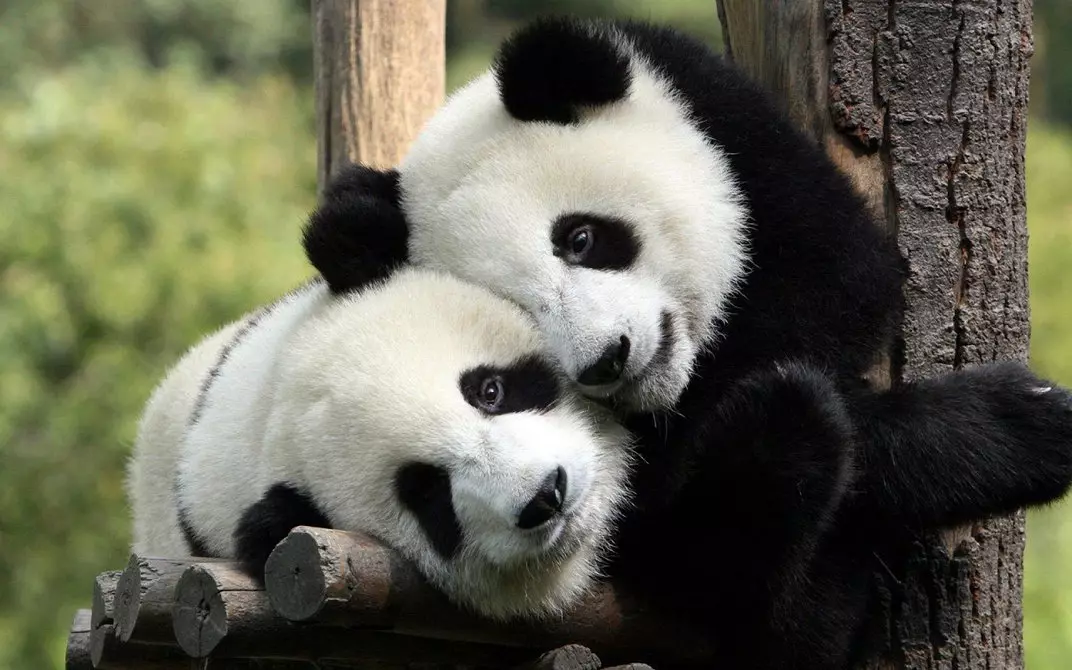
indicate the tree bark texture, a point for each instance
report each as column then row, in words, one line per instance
column 380, row 70
column 924, row 104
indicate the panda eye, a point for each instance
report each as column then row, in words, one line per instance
column 490, row 394
column 581, row 240
column 594, row 241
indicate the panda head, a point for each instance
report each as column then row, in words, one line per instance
column 434, row 422
column 572, row 180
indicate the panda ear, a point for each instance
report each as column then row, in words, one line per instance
column 357, row 234
column 553, row 66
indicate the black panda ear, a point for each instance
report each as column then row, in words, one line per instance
column 357, row 234
column 553, row 66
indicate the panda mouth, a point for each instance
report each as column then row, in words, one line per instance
column 605, row 394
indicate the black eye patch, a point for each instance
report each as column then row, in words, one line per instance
column 424, row 490
column 528, row 385
column 594, row 241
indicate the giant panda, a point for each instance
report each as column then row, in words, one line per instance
column 700, row 266
column 420, row 409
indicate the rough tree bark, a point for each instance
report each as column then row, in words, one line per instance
column 380, row 70
column 924, row 104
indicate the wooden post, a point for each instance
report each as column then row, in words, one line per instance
column 380, row 69
column 924, row 105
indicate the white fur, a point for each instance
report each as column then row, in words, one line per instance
column 334, row 395
column 480, row 191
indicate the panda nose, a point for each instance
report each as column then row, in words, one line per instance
column 546, row 503
column 608, row 369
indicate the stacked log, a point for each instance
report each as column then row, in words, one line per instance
column 333, row 599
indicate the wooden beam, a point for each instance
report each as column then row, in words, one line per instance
column 380, row 71
column 347, row 579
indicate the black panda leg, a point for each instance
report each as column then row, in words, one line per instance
column 769, row 466
column 962, row 447
column 781, row 456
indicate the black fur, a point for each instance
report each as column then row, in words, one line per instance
column 269, row 520
column 528, row 385
column 357, row 235
column 810, row 482
column 425, row 490
column 193, row 540
column 614, row 246
column 548, row 71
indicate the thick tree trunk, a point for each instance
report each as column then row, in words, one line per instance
column 380, row 73
column 924, row 104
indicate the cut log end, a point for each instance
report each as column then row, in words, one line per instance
column 294, row 577
column 128, row 598
column 199, row 616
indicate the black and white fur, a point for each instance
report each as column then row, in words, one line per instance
column 419, row 409
column 692, row 256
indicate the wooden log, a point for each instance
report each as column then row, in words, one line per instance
column 380, row 71
column 144, row 596
column 110, row 654
column 221, row 612
column 77, row 656
column 569, row 657
column 348, row 579
column 101, row 616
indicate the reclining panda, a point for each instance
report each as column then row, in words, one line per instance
column 698, row 264
column 419, row 410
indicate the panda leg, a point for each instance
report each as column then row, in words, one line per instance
column 766, row 472
column 965, row 446
column 780, row 448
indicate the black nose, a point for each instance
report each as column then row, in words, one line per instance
column 609, row 367
column 546, row 503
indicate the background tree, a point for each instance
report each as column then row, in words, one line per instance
column 925, row 106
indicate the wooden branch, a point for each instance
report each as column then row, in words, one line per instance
column 380, row 69
column 347, row 579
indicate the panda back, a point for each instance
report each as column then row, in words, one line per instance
column 224, row 467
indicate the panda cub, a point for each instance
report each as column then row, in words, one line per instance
column 701, row 266
column 419, row 409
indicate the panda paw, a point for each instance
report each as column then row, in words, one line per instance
column 1030, row 416
column 790, row 436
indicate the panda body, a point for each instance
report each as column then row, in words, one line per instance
column 370, row 412
column 701, row 266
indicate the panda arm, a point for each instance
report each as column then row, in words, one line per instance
column 962, row 447
column 265, row 523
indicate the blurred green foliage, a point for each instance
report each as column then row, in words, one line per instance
column 1048, row 565
column 139, row 210
column 157, row 162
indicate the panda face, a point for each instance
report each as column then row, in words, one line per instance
column 622, row 233
column 441, row 429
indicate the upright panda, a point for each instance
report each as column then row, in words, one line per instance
column 419, row 409
column 700, row 265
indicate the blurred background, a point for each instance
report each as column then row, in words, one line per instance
column 156, row 164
